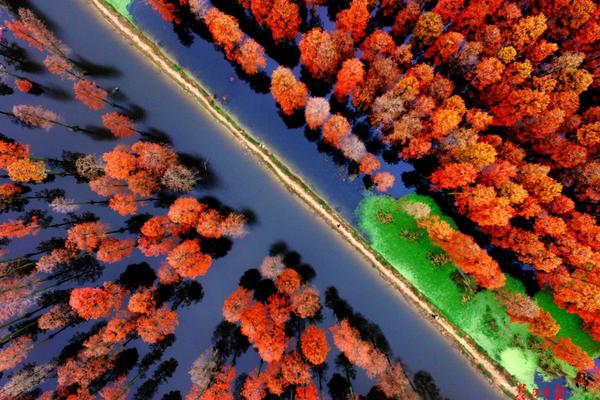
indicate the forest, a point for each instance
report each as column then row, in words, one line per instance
column 487, row 110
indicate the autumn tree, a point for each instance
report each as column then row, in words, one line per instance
column 428, row 28
column 31, row 29
column 224, row 30
column 156, row 326
column 94, row 303
column 306, row 302
column 464, row 252
column 188, row 260
column 355, row 19
column 287, row 91
column 377, row 44
column 349, row 77
column 335, row 129
column 284, row 20
column 314, row 345
column 567, row 351
column 35, row 116
column 90, row 94
column 120, row 125
column 383, row 181
column 361, row 353
column 316, row 112
column 23, row 85
column 15, row 352
column 454, row 175
column 318, row 53
column 142, row 302
column 251, row 56
column 235, row 305
column 260, row 10
column 27, row 170
column 166, row 10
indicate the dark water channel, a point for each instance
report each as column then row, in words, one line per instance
column 239, row 182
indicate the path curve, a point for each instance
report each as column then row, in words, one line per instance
column 494, row 372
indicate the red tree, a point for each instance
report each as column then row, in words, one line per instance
column 284, row 20
column 287, row 91
column 188, row 260
column 94, row 303
column 165, row 9
column 90, row 94
column 349, row 77
column 313, row 343
column 156, row 326
column 354, row 19
column 119, row 125
column 224, row 30
column 318, row 53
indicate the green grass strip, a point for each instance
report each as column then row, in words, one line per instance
column 122, row 7
column 392, row 233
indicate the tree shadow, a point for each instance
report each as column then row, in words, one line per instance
column 55, row 92
column 98, row 133
column 208, row 178
column 296, row 120
column 250, row 216
column 136, row 276
column 216, row 248
column 312, row 135
column 317, row 87
column 96, row 70
column 260, row 82
column 17, row 57
column 293, row 259
column 6, row 90
column 156, row 135
column 135, row 112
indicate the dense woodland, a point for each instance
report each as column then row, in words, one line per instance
column 55, row 250
column 494, row 102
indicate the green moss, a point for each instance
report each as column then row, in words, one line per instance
column 479, row 315
column 122, row 7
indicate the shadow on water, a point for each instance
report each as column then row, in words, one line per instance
column 208, row 179
column 260, row 82
column 17, row 56
column 98, row 133
column 135, row 112
column 156, row 135
column 96, row 70
column 136, row 276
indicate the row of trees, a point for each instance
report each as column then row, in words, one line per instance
column 290, row 94
column 50, row 286
column 276, row 310
column 462, row 251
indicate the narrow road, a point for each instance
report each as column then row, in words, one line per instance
column 130, row 33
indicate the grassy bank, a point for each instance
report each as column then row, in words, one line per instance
column 396, row 236
column 122, row 7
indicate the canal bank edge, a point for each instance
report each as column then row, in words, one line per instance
column 490, row 369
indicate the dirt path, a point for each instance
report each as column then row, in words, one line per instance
column 167, row 66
